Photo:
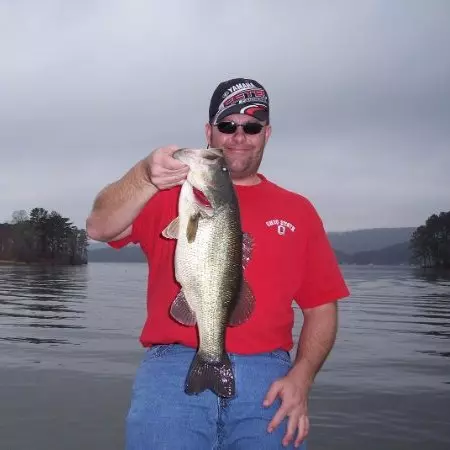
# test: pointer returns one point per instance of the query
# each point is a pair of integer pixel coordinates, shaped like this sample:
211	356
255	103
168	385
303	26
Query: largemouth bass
210	257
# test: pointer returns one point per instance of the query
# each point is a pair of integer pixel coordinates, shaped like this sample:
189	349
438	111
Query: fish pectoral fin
244	307
192	227
171	231
181	311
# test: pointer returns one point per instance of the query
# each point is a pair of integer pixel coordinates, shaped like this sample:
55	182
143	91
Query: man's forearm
118	204
315	343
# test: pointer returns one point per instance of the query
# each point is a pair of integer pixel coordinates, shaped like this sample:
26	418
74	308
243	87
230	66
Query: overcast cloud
360	98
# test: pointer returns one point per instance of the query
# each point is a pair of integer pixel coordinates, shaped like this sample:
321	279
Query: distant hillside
131	253
97	245
351	242
393	255
378	246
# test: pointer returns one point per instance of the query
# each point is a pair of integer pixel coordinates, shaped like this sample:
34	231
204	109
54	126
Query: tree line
42	236
430	243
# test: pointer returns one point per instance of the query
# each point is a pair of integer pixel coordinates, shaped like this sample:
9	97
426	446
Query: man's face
243	152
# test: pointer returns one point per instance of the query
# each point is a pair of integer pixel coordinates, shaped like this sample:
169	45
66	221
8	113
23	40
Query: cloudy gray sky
360	97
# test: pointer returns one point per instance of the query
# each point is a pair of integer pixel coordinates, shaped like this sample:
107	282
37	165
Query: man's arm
316	340
118	204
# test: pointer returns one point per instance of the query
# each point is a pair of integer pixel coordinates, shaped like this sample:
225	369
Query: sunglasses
231	127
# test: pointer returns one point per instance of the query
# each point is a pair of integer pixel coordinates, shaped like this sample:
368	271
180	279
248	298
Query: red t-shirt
291	260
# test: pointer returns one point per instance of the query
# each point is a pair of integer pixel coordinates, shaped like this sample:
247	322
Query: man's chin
236	169
236	163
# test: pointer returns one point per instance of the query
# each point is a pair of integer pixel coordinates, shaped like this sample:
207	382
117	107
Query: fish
211	254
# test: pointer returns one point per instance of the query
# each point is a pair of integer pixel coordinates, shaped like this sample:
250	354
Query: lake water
69	350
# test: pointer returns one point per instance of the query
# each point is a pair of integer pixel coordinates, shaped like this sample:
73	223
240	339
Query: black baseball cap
239	96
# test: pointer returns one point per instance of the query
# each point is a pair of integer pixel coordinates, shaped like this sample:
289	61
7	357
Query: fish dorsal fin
171	231
192	226
247	248
181	311
244	307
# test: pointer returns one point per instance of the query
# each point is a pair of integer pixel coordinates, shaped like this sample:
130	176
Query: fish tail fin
217	376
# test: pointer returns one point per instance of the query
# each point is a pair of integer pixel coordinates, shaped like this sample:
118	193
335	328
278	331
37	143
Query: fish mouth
200	197
203	163
206	155
214	153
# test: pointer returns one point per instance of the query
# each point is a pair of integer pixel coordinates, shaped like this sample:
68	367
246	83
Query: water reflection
432	275
434	306
386	384
42	299
394	332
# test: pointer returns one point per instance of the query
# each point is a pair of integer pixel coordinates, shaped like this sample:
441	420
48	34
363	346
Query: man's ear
268	132
208	134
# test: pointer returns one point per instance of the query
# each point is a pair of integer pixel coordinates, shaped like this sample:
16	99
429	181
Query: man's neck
247	181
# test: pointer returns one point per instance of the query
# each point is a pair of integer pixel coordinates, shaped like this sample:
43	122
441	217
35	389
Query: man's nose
239	135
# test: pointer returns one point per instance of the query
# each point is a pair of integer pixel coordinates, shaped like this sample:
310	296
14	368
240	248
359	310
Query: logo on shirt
282	226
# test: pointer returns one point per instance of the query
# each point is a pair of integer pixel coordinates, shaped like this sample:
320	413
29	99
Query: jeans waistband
160	349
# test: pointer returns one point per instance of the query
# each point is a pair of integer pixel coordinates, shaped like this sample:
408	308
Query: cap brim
259	112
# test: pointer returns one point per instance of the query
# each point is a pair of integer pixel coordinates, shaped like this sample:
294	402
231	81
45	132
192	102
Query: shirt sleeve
119	243
322	281
146	216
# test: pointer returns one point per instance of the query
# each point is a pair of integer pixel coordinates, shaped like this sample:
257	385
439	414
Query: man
291	260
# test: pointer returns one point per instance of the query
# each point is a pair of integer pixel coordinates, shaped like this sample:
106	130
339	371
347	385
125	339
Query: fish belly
208	270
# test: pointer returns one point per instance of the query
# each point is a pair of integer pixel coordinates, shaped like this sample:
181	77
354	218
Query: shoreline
12	263
7	262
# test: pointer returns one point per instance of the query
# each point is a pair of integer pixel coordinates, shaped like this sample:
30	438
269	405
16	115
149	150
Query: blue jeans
162	416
